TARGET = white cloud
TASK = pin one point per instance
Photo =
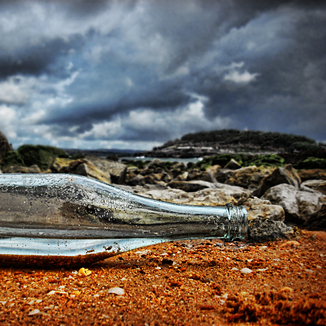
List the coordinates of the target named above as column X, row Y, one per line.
column 8, row 121
column 241, row 77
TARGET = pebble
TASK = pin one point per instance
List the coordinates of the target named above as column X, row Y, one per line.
column 34, row 312
column 117, row 290
column 246, row 270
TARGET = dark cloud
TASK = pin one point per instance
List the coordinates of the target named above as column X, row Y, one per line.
column 41, row 58
column 148, row 71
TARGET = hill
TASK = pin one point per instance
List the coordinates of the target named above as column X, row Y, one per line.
column 231, row 141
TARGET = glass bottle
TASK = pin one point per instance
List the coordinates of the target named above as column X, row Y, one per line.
column 69, row 218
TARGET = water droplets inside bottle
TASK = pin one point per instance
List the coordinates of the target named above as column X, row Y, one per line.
column 67, row 215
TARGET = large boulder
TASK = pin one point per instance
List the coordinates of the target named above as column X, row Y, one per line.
column 22, row 169
column 286, row 175
column 298, row 205
column 88, row 169
column 41, row 155
column 5, row 146
column 116, row 170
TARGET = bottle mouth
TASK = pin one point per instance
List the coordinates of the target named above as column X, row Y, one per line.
column 238, row 221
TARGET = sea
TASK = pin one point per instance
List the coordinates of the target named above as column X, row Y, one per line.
column 167, row 159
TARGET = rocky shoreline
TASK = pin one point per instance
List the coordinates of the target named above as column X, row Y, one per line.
column 281, row 192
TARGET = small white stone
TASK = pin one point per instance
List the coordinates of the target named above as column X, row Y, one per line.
column 234, row 269
column 117, row 290
column 34, row 312
column 246, row 270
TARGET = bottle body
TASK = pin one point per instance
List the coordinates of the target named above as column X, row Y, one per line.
column 73, row 212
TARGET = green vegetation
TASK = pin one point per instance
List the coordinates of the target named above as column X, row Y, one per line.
column 12, row 158
column 243, row 159
column 256, row 138
column 311, row 163
column 40, row 155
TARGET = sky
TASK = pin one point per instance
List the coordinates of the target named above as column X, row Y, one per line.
column 135, row 74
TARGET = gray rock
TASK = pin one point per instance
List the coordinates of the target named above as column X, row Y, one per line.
column 263, row 209
column 298, row 205
column 261, row 230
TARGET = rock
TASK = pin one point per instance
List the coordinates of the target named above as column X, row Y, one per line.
column 88, row 169
column 263, row 209
column 156, row 161
column 61, row 165
column 233, row 165
column 221, row 194
column 261, row 230
column 286, row 175
column 182, row 177
column 42, row 156
column 298, row 205
column 5, row 146
column 248, row 177
column 201, row 175
column 142, row 180
column 22, row 169
column 315, row 174
column 213, row 170
column 314, row 185
column 116, row 170
column 190, row 186
column 317, row 221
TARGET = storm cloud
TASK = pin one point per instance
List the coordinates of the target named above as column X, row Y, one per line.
column 135, row 74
